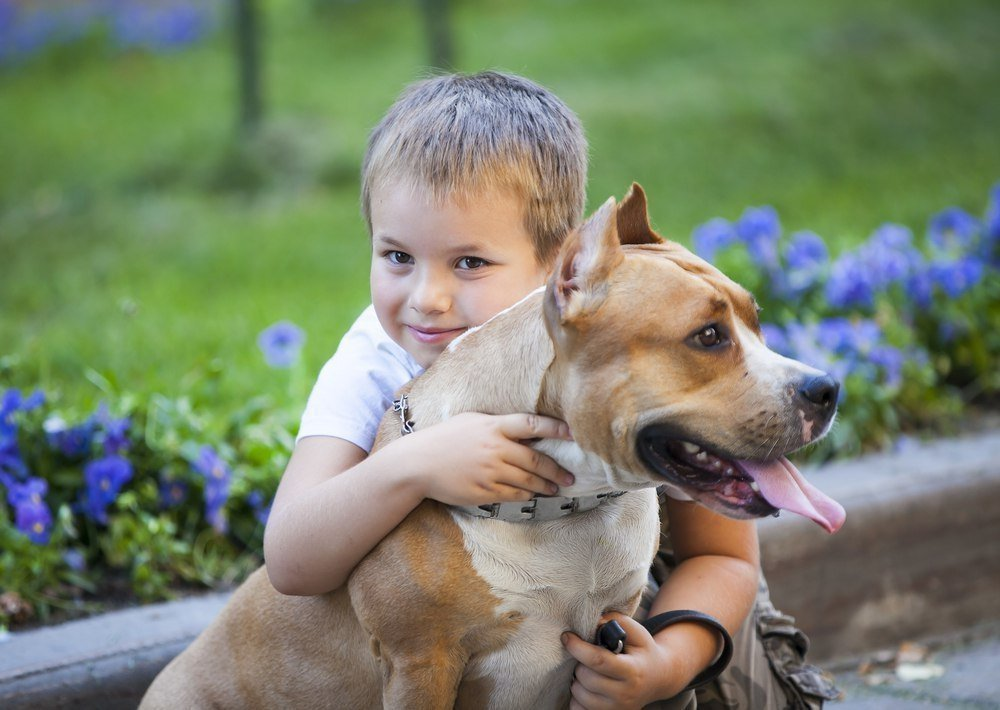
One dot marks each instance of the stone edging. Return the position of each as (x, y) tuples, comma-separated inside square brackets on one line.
[(917, 557)]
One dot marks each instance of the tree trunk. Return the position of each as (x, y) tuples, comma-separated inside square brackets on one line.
[(438, 33), (247, 28)]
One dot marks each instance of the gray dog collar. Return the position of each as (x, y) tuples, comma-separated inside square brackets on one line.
[(539, 509)]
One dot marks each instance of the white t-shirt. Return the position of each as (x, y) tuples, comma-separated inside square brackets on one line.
[(356, 385)]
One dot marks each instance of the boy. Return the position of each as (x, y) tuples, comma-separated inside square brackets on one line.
[(469, 185)]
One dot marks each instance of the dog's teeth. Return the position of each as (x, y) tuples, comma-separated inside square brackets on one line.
[(729, 471), (691, 448), (754, 486), (701, 456)]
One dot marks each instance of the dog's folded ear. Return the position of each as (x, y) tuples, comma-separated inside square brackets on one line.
[(584, 263), (633, 219)]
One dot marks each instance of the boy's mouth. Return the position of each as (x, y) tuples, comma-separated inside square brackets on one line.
[(434, 336)]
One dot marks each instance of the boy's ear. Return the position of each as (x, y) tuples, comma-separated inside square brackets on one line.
[(633, 219), (584, 263)]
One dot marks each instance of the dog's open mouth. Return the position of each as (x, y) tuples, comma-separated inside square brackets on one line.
[(740, 489)]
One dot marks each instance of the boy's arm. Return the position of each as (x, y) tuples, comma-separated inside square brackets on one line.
[(334, 504), (717, 574)]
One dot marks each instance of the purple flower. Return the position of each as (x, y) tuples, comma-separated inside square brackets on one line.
[(953, 230), (281, 344), (217, 480), (806, 256), (712, 236), (31, 513), (104, 479), (759, 229), (850, 283), (72, 442)]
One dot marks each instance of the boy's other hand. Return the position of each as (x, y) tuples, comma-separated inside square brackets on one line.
[(475, 459), (607, 681)]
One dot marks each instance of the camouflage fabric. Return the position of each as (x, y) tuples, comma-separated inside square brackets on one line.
[(768, 670)]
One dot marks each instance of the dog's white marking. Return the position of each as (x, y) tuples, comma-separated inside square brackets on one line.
[(558, 575)]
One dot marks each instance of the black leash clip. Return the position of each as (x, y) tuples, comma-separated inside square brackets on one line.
[(612, 636)]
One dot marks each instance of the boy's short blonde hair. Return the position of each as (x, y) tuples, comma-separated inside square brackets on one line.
[(461, 135)]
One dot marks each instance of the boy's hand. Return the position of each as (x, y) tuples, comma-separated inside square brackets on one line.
[(604, 680), (474, 459)]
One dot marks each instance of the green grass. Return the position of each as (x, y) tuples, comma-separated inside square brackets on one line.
[(119, 253)]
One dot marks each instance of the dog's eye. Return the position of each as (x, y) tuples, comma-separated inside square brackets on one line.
[(708, 337)]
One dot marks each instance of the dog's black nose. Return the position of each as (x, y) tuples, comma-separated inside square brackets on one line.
[(821, 391)]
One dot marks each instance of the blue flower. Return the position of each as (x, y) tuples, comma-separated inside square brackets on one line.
[(953, 230), (759, 229), (891, 255), (958, 276), (920, 287), (992, 225), (217, 481), (281, 344), (850, 283), (774, 338), (173, 492), (72, 442), (891, 360), (31, 513), (75, 560), (806, 257), (712, 236), (260, 511), (11, 465), (104, 479)]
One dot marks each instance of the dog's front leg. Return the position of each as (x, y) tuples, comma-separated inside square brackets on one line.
[(427, 677)]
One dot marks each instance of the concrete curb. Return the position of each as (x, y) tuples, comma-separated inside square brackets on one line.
[(106, 661), (917, 557)]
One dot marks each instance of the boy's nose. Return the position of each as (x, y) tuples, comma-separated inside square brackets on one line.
[(430, 296)]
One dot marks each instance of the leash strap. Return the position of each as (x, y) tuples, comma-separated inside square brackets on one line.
[(612, 636)]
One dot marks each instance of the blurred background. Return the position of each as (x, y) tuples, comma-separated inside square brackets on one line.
[(177, 176)]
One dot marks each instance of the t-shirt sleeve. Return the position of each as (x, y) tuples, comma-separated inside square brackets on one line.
[(356, 385)]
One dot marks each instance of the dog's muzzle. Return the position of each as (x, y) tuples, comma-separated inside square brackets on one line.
[(735, 488)]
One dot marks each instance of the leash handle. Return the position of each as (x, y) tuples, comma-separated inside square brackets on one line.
[(612, 636)]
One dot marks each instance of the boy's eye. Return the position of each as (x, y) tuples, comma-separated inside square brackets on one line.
[(471, 262), (398, 257)]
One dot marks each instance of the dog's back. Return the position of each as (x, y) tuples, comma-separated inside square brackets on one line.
[(268, 650)]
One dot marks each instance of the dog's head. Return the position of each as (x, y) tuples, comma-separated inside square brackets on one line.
[(665, 374)]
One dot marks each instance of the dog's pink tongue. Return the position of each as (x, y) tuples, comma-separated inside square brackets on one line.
[(784, 487)]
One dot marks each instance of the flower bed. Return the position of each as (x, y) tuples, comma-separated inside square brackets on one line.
[(149, 493)]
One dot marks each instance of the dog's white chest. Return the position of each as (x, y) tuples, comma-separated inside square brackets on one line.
[(558, 575)]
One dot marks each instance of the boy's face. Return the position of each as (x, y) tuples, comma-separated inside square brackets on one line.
[(439, 269)]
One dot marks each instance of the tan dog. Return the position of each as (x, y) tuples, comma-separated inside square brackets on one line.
[(656, 361)]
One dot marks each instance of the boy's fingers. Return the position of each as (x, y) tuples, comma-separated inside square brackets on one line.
[(538, 465), (599, 659), (534, 426)]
